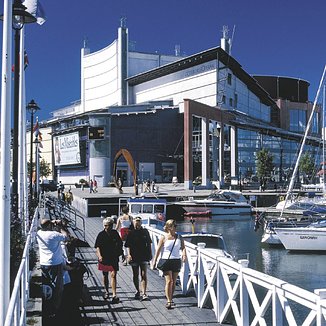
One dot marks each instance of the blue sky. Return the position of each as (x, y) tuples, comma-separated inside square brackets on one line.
[(280, 37)]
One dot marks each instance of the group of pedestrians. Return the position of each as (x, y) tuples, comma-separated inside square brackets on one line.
[(130, 240), (92, 186)]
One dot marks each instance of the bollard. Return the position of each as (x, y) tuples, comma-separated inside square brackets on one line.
[(243, 262), (201, 245)]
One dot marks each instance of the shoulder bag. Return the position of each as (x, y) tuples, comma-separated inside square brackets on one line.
[(162, 262)]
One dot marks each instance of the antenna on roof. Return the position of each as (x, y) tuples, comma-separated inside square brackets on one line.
[(177, 50), (85, 42), (226, 41), (123, 22), (232, 37)]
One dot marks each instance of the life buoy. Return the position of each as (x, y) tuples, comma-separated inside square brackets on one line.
[(281, 198)]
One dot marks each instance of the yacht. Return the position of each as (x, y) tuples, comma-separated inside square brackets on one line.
[(309, 238), (222, 204)]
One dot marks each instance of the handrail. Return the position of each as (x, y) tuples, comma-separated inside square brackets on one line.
[(62, 209), (16, 314), (253, 297)]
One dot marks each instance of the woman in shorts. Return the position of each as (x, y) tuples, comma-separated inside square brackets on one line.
[(170, 247)]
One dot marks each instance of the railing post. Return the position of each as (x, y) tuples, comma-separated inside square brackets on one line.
[(221, 294), (244, 297), (201, 279), (184, 277), (277, 311), (321, 307)]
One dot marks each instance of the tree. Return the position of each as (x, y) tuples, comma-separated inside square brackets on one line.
[(45, 170), (307, 165), (265, 166)]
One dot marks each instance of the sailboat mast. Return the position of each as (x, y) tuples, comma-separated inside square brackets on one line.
[(323, 134), (290, 189)]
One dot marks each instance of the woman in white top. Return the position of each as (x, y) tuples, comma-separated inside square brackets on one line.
[(124, 224), (170, 246)]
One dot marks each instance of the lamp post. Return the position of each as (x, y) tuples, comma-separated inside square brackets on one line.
[(32, 107), (20, 18), (12, 14), (37, 167)]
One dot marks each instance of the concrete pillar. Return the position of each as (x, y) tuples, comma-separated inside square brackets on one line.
[(234, 158), (205, 152), (221, 155), (188, 168)]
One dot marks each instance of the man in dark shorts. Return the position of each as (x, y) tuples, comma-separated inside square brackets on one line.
[(108, 246), (138, 244)]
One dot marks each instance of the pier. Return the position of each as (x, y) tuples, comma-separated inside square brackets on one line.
[(211, 290)]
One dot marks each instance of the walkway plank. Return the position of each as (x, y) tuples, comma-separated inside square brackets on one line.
[(96, 311)]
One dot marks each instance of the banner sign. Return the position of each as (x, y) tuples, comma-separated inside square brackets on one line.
[(66, 149)]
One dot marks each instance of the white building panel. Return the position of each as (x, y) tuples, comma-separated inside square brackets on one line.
[(100, 73), (197, 83), (140, 62)]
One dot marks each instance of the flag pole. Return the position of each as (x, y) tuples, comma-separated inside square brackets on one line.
[(5, 135), (21, 133)]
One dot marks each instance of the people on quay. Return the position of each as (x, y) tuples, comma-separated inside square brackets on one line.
[(139, 247), (153, 186), (108, 246), (146, 186), (52, 256), (91, 186), (124, 224), (59, 189), (119, 183), (69, 197), (94, 186), (169, 247)]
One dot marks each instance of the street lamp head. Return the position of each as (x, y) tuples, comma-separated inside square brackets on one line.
[(32, 107), (20, 16)]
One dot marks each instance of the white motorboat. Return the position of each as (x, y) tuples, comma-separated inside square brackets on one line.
[(152, 210), (309, 238), (214, 243), (223, 204)]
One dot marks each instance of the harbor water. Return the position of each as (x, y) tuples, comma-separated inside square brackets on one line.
[(306, 270)]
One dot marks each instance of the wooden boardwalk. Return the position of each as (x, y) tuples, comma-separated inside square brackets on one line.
[(96, 311)]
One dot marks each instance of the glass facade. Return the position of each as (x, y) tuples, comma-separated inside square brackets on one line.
[(298, 120), (284, 151)]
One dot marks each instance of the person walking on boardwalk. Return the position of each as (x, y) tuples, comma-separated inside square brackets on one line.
[(124, 224), (139, 247), (169, 247), (51, 257), (108, 246)]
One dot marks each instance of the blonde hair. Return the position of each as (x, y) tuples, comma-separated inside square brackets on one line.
[(168, 224)]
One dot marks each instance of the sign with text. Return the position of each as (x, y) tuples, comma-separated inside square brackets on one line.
[(96, 133), (66, 149)]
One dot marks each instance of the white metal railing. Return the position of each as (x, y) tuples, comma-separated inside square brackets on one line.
[(16, 314), (247, 296)]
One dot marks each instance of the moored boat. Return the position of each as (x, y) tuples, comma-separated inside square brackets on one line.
[(223, 204), (151, 210), (310, 238), (214, 243)]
